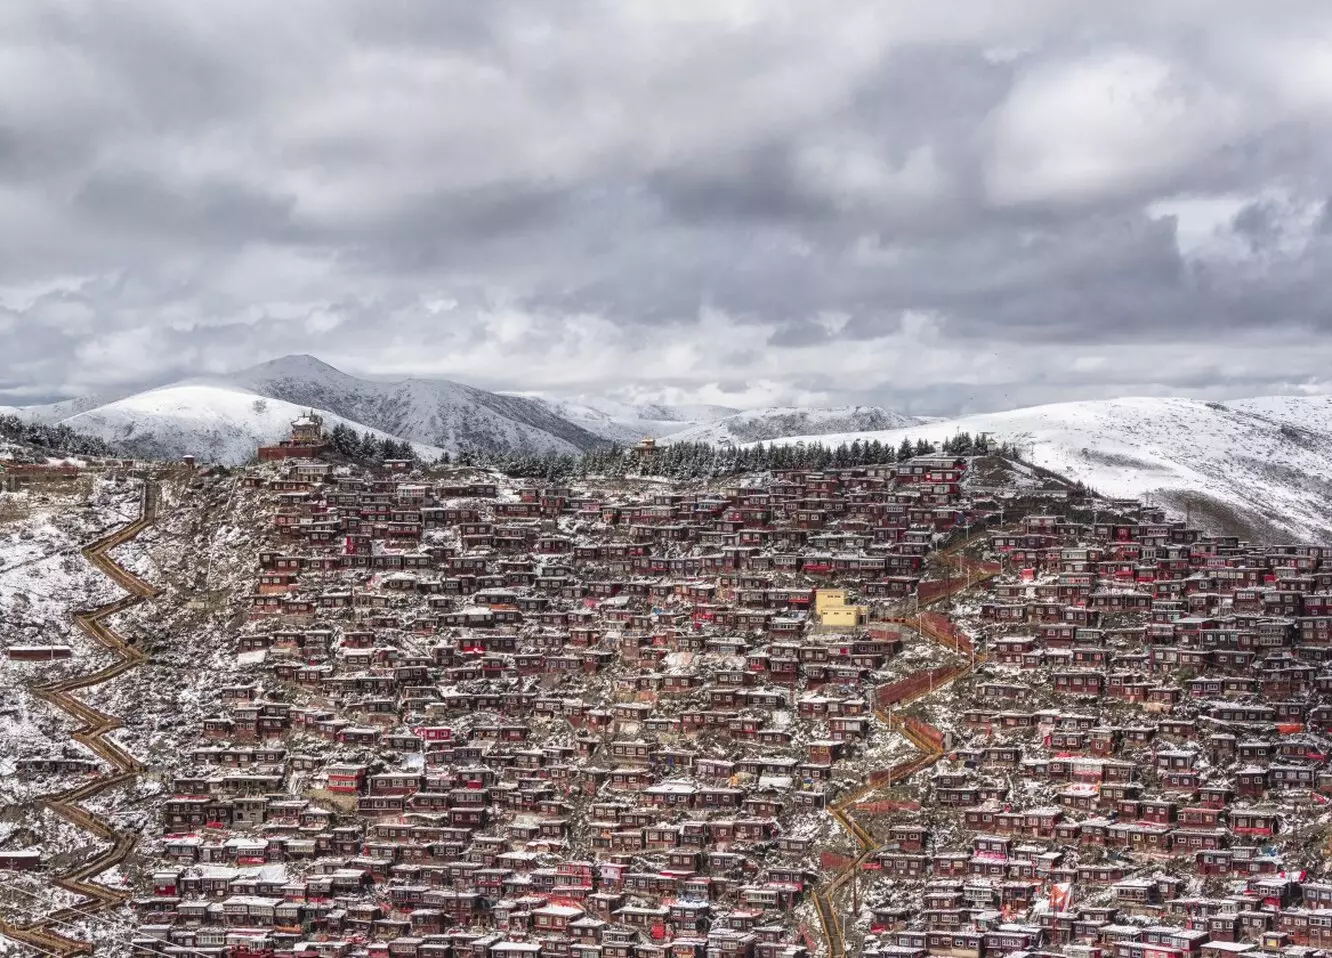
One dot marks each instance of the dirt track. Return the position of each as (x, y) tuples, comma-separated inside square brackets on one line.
[(93, 733), (915, 732)]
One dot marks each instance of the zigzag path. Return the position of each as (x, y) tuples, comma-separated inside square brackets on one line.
[(927, 740), (94, 733)]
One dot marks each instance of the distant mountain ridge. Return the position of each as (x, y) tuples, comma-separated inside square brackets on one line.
[(223, 418), (775, 422), (438, 412), (627, 422), (1257, 466), (215, 423)]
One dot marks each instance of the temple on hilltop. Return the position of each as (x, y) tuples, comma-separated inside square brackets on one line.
[(308, 430), (307, 440)]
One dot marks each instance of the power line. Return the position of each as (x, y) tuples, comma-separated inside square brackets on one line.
[(38, 924), (37, 948), (91, 917)]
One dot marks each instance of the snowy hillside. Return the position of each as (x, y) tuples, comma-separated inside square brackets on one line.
[(1256, 466), (52, 413), (427, 412), (434, 411), (215, 423), (760, 425), (627, 422)]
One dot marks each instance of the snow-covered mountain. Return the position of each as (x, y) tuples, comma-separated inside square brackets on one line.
[(433, 411), (630, 422), (224, 418), (51, 413), (774, 422), (1254, 466), (214, 423), (1257, 466)]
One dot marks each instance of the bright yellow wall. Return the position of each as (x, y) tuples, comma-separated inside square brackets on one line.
[(846, 615), (829, 599)]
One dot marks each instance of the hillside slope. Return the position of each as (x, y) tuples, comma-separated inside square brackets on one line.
[(627, 422), (1255, 466), (57, 412), (430, 413), (760, 425), (434, 411), (214, 423)]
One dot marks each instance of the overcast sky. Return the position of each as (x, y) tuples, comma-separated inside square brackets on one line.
[(937, 206)]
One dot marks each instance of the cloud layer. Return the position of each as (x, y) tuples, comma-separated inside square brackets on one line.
[(940, 207)]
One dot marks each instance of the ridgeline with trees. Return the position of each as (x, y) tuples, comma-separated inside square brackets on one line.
[(366, 448), (697, 460), (52, 440)]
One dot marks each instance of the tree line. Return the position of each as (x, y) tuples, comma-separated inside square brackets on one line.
[(53, 439), (367, 448), (699, 460)]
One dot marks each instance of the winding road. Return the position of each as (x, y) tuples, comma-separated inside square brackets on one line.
[(929, 750), (94, 733)]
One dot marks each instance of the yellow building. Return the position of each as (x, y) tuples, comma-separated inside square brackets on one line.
[(829, 599), (831, 607), (843, 617)]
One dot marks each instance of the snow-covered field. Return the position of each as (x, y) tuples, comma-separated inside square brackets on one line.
[(1257, 464)]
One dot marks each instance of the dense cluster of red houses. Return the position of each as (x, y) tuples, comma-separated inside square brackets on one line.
[(481, 720), (1139, 767)]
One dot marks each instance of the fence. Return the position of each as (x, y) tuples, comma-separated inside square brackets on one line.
[(942, 630), (833, 862), (923, 734), (899, 772), (915, 685), (888, 806)]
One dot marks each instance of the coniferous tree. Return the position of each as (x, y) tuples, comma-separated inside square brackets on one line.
[(57, 438)]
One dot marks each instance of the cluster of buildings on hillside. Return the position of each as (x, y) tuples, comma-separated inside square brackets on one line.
[(485, 719), (482, 719), (1140, 767)]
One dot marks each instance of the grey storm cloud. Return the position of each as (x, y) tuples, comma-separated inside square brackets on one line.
[(942, 207)]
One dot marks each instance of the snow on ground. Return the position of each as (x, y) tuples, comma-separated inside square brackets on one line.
[(629, 422), (1261, 460), (42, 574), (434, 411), (138, 555), (43, 579), (215, 423)]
